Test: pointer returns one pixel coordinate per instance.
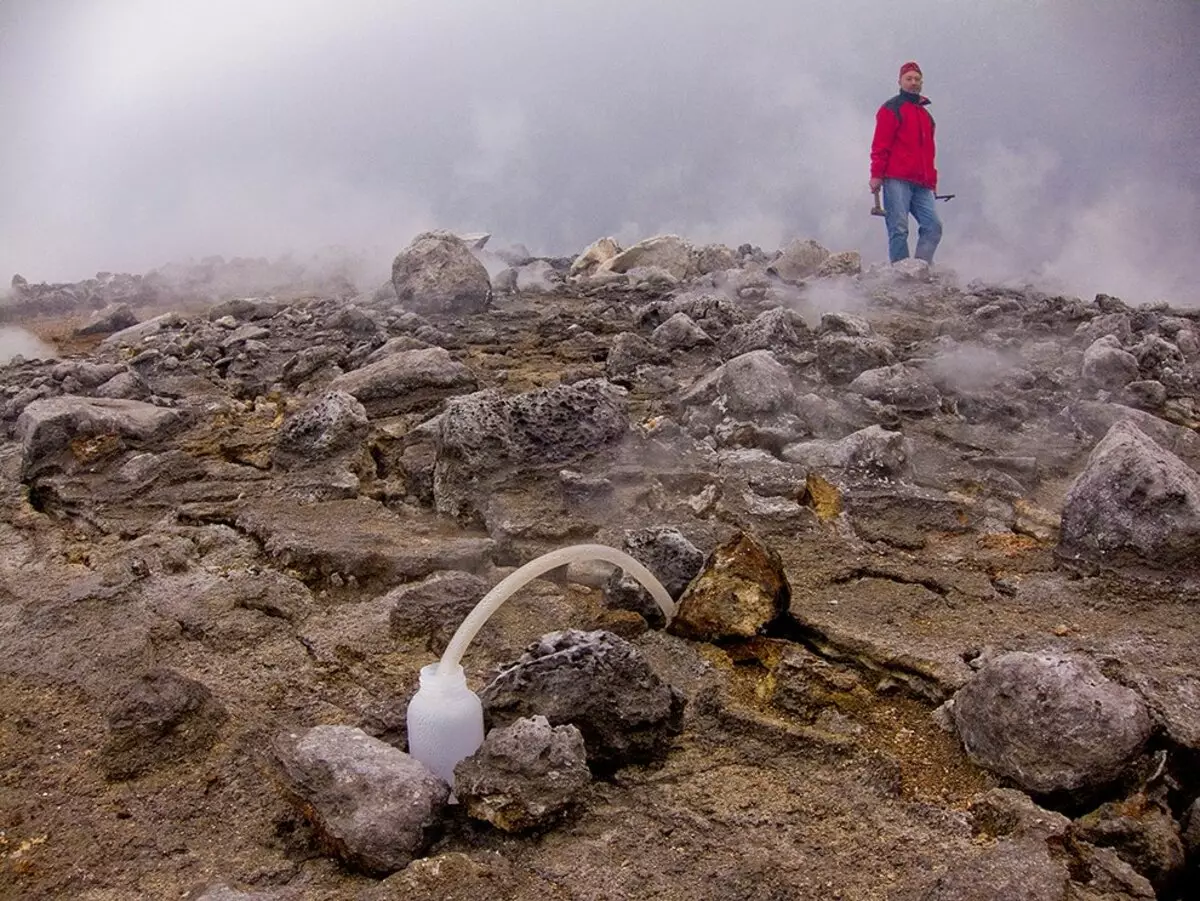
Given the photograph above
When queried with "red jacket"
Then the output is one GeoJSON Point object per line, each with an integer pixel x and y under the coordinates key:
{"type": "Point", "coordinates": [903, 145]}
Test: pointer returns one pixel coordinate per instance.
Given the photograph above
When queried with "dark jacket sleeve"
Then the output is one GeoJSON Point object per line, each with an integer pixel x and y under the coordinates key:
{"type": "Point", "coordinates": [886, 124]}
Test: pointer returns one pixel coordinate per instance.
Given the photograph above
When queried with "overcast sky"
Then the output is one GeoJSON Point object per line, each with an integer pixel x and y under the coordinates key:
{"type": "Point", "coordinates": [145, 131]}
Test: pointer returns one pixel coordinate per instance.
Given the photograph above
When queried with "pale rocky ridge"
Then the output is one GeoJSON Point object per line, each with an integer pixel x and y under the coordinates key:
{"type": "Point", "coordinates": [918, 531]}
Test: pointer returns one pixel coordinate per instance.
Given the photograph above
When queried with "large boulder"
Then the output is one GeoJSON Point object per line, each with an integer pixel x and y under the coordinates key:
{"type": "Point", "coordinates": [373, 805]}
{"type": "Point", "coordinates": [1134, 503]}
{"type": "Point", "coordinates": [437, 273]}
{"type": "Point", "coordinates": [668, 252]}
{"type": "Point", "coordinates": [1050, 723]}
{"type": "Point", "coordinates": [596, 254]}
{"type": "Point", "coordinates": [905, 387]}
{"type": "Point", "coordinates": [597, 682]}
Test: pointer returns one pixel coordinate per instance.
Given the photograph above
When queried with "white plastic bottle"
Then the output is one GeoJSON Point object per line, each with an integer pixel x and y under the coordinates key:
{"type": "Point", "coordinates": [445, 720]}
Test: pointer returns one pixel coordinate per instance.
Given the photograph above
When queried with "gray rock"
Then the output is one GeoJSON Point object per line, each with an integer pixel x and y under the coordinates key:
{"type": "Point", "coordinates": [1004, 812]}
{"type": "Point", "coordinates": [1106, 365]}
{"type": "Point", "coordinates": [872, 452]}
{"type": "Point", "coordinates": [778, 330]}
{"type": "Point", "coordinates": [1050, 723]}
{"type": "Point", "coordinates": [667, 252]}
{"type": "Point", "coordinates": [374, 806]}
{"type": "Point", "coordinates": [630, 351]}
{"type": "Point", "coordinates": [714, 313]}
{"type": "Point", "coordinates": [135, 335]}
{"type": "Point", "coordinates": [1191, 832]}
{"type": "Point", "coordinates": [524, 775]}
{"type": "Point", "coordinates": [842, 357]}
{"type": "Point", "coordinates": [680, 333]}
{"type": "Point", "coordinates": [407, 381]}
{"type": "Point", "coordinates": [799, 260]}
{"type": "Point", "coordinates": [222, 891]}
{"type": "Point", "coordinates": [161, 718]}
{"type": "Point", "coordinates": [336, 424]}
{"type": "Point", "coordinates": [438, 274]}
{"type": "Point", "coordinates": [48, 427]}
{"type": "Point", "coordinates": [664, 551]}
{"type": "Point", "coordinates": [505, 281]}
{"type": "Point", "coordinates": [714, 258]}
{"type": "Point", "coordinates": [597, 253]}
{"type": "Point", "coordinates": [848, 262]}
{"type": "Point", "coordinates": [749, 385]}
{"type": "Point", "coordinates": [597, 682]}
{"type": "Point", "coordinates": [911, 269]}
{"type": "Point", "coordinates": [434, 607]}
{"type": "Point", "coordinates": [125, 385]}
{"type": "Point", "coordinates": [1134, 502]}
{"type": "Point", "coordinates": [88, 375]}
{"type": "Point", "coordinates": [538, 277]}
{"type": "Point", "coordinates": [487, 438]}
{"type": "Point", "coordinates": [906, 388]}
{"type": "Point", "coordinates": [1147, 393]}
{"type": "Point", "coordinates": [107, 321]}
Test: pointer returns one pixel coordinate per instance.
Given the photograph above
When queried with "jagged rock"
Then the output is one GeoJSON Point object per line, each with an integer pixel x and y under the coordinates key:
{"type": "Point", "coordinates": [778, 330]}
{"type": "Point", "coordinates": [629, 351]}
{"type": "Point", "coordinates": [372, 805]}
{"type": "Point", "coordinates": [485, 437]}
{"type": "Point", "coordinates": [911, 269]}
{"type": "Point", "coordinates": [505, 281]}
{"type": "Point", "coordinates": [596, 254]}
{"type": "Point", "coordinates": [680, 333]}
{"type": "Point", "coordinates": [1147, 393]}
{"type": "Point", "coordinates": [848, 262]}
{"type": "Point", "coordinates": [597, 682]}
{"type": "Point", "coordinates": [669, 253]}
{"type": "Point", "coordinates": [842, 357]}
{"type": "Point", "coordinates": [711, 312]}
{"type": "Point", "coordinates": [874, 452]}
{"type": "Point", "coordinates": [106, 322]}
{"type": "Point", "coordinates": [751, 384]}
{"type": "Point", "coordinates": [1050, 723]}
{"type": "Point", "coordinates": [906, 388]}
{"type": "Point", "coordinates": [1142, 834]}
{"type": "Point", "coordinates": [740, 591]}
{"type": "Point", "coordinates": [715, 258]}
{"type": "Point", "coordinates": [438, 274]}
{"type": "Point", "coordinates": [538, 276]}
{"type": "Point", "coordinates": [524, 775]}
{"type": "Point", "coordinates": [1134, 502]}
{"type": "Point", "coordinates": [664, 551]}
{"type": "Point", "coordinates": [1107, 365]}
{"type": "Point", "coordinates": [161, 718]}
{"type": "Point", "coordinates": [135, 335]}
{"type": "Point", "coordinates": [799, 260]}
{"type": "Point", "coordinates": [434, 607]}
{"type": "Point", "coordinates": [51, 426]}
{"type": "Point", "coordinates": [336, 424]}
{"type": "Point", "coordinates": [86, 375]}
{"type": "Point", "coordinates": [406, 381]}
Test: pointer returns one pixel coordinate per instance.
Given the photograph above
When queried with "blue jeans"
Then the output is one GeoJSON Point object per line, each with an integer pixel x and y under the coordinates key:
{"type": "Point", "coordinates": [899, 199]}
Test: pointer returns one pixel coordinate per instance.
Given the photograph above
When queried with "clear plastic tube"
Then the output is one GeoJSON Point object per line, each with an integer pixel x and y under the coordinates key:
{"type": "Point", "coordinates": [511, 583]}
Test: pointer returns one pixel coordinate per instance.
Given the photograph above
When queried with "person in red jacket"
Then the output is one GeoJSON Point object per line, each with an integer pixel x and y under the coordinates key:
{"type": "Point", "coordinates": [902, 155]}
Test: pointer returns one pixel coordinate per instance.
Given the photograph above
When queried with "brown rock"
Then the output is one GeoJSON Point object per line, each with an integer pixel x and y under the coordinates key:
{"type": "Point", "coordinates": [741, 589]}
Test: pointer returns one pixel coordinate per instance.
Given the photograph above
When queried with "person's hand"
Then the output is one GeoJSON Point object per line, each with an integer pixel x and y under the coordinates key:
{"type": "Point", "coordinates": [875, 184]}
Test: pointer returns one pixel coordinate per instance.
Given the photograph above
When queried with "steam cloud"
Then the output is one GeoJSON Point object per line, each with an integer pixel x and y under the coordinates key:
{"type": "Point", "coordinates": [143, 132]}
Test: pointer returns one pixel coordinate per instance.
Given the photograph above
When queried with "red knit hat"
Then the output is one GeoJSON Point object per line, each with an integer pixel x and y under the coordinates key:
{"type": "Point", "coordinates": [910, 67]}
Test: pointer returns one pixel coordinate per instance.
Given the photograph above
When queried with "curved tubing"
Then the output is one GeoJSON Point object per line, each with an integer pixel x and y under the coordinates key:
{"type": "Point", "coordinates": [507, 586]}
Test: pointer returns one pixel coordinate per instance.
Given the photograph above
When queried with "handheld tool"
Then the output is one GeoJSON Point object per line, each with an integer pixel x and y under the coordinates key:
{"type": "Point", "coordinates": [877, 210]}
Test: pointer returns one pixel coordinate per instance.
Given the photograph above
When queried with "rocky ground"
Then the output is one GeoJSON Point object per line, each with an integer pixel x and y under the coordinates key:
{"type": "Point", "coordinates": [934, 547]}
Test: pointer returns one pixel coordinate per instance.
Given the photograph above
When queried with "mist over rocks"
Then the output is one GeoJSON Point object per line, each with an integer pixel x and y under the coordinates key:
{"type": "Point", "coordinates": [277, 504]}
